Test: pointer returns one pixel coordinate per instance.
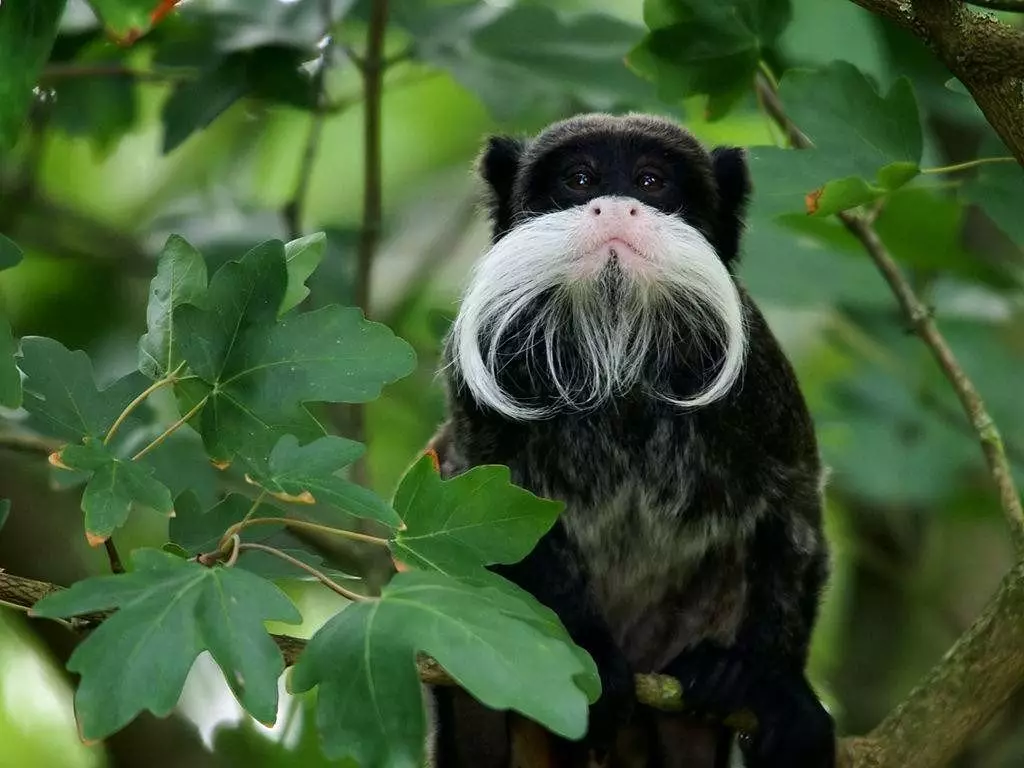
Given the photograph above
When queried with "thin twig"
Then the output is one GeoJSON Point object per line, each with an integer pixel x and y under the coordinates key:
{"type": "Point", "coordinates": [322, 578]}
{"type": "Point", "coordinates": [926, 328]}
{"type": "Point", "coordinates": [171, 378]}
{"type": "Point", "coordinates": [73, 71]}
{"type": "Point", "coordinates": [171, 429]}
{"type": "Point", "coordinates": [303, 525]}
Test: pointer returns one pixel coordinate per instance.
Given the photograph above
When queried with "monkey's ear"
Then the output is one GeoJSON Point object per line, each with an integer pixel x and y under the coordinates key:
{"type": "Point", "coordinates": [497, 166]}
{"type": "Point", "coordinates": [729, 165]}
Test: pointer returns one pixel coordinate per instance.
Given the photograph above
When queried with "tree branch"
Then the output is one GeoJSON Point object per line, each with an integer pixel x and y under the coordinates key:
{"type": "Point", "coordinates": [1013, 6]}
{"type": "Point", "coordinates": [985, 54]}
{"type": "Point", "coordinates": [926, 328]}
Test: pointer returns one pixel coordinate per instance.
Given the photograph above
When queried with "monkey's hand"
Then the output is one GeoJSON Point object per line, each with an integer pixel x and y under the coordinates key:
{"type": "Point", "coordinates": [793, 728]}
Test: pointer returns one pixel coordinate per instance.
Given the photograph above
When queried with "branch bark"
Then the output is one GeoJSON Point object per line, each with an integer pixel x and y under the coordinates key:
{"type": "Point", "coordinates": [985, 54]}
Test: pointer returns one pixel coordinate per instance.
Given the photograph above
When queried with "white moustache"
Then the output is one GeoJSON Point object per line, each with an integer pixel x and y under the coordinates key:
{"type": "Point", "coordinates": [674, 273]}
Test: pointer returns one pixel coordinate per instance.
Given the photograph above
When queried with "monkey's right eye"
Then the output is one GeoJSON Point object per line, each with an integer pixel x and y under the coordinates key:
{"type": "Point", "coordinates": [580, 178]}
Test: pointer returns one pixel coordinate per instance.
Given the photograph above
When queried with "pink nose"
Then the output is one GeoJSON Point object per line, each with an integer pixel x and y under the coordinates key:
{"type": "Point", "coordinates": [612, 208]}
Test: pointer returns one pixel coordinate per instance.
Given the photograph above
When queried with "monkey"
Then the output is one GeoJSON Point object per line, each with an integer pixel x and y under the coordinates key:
{"type": "Point", "coordinates": [605, 350]}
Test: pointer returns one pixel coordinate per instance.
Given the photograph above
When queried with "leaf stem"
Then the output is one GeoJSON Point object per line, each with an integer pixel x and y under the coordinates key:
{"type": "Point", "coordinates": [116, 566]}
{"type": "Point", "coordinates": [303, 525]}
{"type": "Point", "coordinates": [170, 378]}
{"type": "Point", "coordinates": [321, 577]}
{"type": "Point", "coordinates": [968, 164]}
{"type": "Point", "coordinates": [171, 429]}
{"type": "Point", "coordinates": [924, 325]}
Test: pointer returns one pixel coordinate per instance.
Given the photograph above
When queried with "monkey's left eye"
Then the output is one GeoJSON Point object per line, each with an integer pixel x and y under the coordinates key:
{"type": "Point", "coordinates": [650, 181]}
{"type": "Point", "coordinates": [580, 178]}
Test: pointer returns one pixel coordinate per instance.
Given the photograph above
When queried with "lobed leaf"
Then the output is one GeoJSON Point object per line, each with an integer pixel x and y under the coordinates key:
{"type": "Point", "coordinates": [27, 31]}
{"type": "Point", "coordinates": [59, 390]}
{"type": "Point", "coordinates": [865, 145]}
{"type": "Point", "coordinates": [180, 279]}
{"type": "Point", "coordinates": [115, 486]}
{"type": "Point", "coordinates": [478, 518]}
{"type": "Point", "coordinates": [170, 610]}
{"type": "Point", "coordinates": [302, 257]}
{"type": "Point", "coordinates": [369, 705]}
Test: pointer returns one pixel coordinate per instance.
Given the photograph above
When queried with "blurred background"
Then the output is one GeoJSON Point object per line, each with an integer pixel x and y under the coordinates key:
{"type": "Point", "coordinates": [203, 128]}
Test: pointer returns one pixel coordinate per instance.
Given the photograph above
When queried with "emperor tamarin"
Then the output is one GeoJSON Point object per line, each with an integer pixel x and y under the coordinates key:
{"type": "Point", "coordinates": [605, 351]}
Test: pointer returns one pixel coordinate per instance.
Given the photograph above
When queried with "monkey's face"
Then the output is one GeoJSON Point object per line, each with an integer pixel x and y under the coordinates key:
{"type": "Point", "coordinates": [608, 270]}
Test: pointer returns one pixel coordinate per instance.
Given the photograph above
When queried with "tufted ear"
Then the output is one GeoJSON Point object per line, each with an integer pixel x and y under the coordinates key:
{"type": "Point", "coordinates": [729, 165]}
{"type": "Point", "coordinates": [497, 166]}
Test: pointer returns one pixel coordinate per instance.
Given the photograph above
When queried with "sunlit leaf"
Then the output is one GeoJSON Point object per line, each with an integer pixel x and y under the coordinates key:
{"type": "Point", "coordinates": [115, 486]}
{"type": "Point", "coordinates": [27, 32]}
{"type": "Point", "coordinates": [169, 611]}
{"type": "Point", "coordinates": [475, 519]}
{"type": "Point", "coordinates": [369, 705]}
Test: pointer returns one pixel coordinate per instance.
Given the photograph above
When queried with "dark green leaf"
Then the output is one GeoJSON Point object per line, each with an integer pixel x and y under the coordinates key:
{"type": "Point", "coordinates": [864, 145]}
{"type": "Point", "coordinates": [27, 32]}
{"type": "Point", "coordinates": [169, 611]}
{"type": "Point", "coordinates": [5, 511]}
{"type": "Point", "coordinates": [180, 279]}
{"type": "Point", "coordinates": [472, 520]}
{"type": "Point", "coordinates": [999, 190]}
{"type": "Point", "coordinates": [61, 392]}
{"type": "Point", "coordinates": [10, 379]}
{"type": "Point", "coordinates": [10, 253]}
{"type": "Point", "coordinates": [302, 257]}
{"type": "Point", "coordinates": [258, 372]}
{"type": "Point", "coordinates": [102, 109]}
{"type": "Point", "coordinates": [115, 486]}
{"type": "Point", "coordinates": [707, 46]}
{"type": "Point", "coordinates": [306, 474]}
{"type": "Point", "coordinates": [369, 705]}
{"type": "Point", "coordinates": [197, 530]}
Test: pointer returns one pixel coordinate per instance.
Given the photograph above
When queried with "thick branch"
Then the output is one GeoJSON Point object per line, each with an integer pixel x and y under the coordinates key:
{"type": "Point", "coordinates": [925, 326]}
{"type": "Point", "coordinates": [985, 54]}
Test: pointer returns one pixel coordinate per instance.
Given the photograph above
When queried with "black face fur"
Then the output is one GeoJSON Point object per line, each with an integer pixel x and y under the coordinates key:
{"type": "Point", "coordinates": [640, 156]}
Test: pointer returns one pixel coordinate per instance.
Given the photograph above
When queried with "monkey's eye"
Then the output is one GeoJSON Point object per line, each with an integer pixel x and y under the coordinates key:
{"type": "Point", "coordinates": [650, 181]}
{"type": "Point", "coordinates": [580, 178]}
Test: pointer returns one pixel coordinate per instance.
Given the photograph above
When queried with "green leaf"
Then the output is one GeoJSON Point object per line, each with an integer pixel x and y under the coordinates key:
{"type": "Point", "coordinates": [115, 486]}
{"type": "Point", "coordinates": [5, 511]}
{"type": "Point", "coordinates": [180, 279]}
{"type": "Point", "coordinates": [258, 371]}
{"type": "Point", "coordinates": [306, 473]}
{"type": "Point", "coordinates": [127, 20]}
{"type": "Point", "coordinates": [369, 705]}
{"type": "Point", "coordinates": [59, 389]}
{"type": "Point", "coordinates": [472, 520]}
{"type": "Point", "coordinates": [197, 530]}
{"type": "Point", "coordinates": [100, 109]}
{"type": "Point", "coordinates": [999, 189]}
{"type": "Point", "coordinates": [168, 611]}
{"type": "Point", "coordinates": [302, 256]}
{"type": "Point", "coordinates": [710, 47]}
{"type": "Point", "coordinates": [10, 253]}
{"type": "Point", "coordinates": [27, 31]}
{"type": "Point", "coordinates": [865, 145]}
{"type": "Point", "coordinates": [10, 379]}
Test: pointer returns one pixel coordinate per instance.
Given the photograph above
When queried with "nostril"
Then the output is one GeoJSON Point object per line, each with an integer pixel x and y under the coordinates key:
{"type": "Point", "coordinates": [597, 210]}
{"type": "Point", "coordinates": [632, 211]}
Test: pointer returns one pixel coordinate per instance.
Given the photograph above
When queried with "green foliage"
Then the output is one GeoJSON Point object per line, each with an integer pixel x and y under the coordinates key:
{"type": "Point", "coordinates": [10, 253]}
{"type": "Point", "coordinates": [302, 257]}
{"type": "Point", "coordinates": [5, 511]}
{"type": "Point", "coordinates": [999, 190]}
{"type": "Point", "coordinates": [169, 611]}
{"type": "Point", "coordinates": [10, 380]}
{"type": "Point", "coordinates": [27, 32]}
{"type": "Point", "coordinates": [127, 19]}
{"type": "Point", "coordinates": [865, 145]}
{"type": "Point", "coordinates": [369, 705]}
{"type": "Point", "coordinates": [708, 47]}
{"type": "Point", "coordinates": [114, 486]}
{"type": "Point", "coordinates": [477, 518]}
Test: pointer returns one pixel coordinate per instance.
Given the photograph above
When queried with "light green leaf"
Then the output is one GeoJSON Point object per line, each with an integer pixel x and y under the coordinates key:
{"type": "Point", "coordinates": [59, 390]}
{"type": "Point", "coordinates": [257, 371]}
{"type": "Point", "coordinates": [709, 47]}
{"type": "Point", "coordinates": [865, 145]}
{"type": "Point", "coordinates": [306, 474]}
{"type": "Point", "coordinates": [302, 257]}
{"type": "Point", "coordinates": [127, 20]}
{"type": "Point", "coordinates": [115, 486]}
{"type": "Point", "coordinates": [369, 705]}
{"type": "Point", "coordinates": [180, 279]}
{"type": "Point", "coordinates": [27, 31]}
{"type": "Point", "coordinates": [10, 379]}
{"type": "Point", "coordinates": [168, 611]}
{"type": "Point", "coordinates": [475, 519]}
